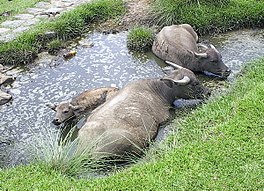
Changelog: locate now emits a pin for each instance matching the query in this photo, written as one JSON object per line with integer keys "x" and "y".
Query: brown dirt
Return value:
{"x": 138, "y": 13}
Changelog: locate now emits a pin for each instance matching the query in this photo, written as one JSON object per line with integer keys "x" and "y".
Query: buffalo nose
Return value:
{"x": 227, "y": 72}
{"x": 56, "y": 121}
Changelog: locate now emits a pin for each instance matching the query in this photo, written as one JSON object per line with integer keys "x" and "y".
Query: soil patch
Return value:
{"x": 138, "y": 13}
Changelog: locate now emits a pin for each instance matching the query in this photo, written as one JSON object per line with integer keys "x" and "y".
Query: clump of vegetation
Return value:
{"x": 208, "y": 18}
{"x": 68, "y": 26}
{"x": 60, "y": 153}
{"x": 54, "y": 46}
{"x": 140, "y": 39}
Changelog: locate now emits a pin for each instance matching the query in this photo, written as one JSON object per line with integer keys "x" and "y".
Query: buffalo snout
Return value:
{"x": 226, "y": 73}
{"x": 56, "y": 121}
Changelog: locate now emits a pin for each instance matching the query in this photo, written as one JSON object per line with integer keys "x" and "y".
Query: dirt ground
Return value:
{"x": 138, "y": 13}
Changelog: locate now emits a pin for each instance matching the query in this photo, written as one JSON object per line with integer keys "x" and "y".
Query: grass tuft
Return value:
{"x": 60, "y": 153}
{"x": 140, "y": 39}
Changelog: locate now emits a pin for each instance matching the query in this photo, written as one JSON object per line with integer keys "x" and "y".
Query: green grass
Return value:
{"x": 207, "y": 17}
{"x": 218, "y": 147}
{"x": 69, "y": 25}
{"x": 15, "y": 6}
{"x": 140, "y": 38}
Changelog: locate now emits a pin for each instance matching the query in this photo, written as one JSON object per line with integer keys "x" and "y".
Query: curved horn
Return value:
{"x": 174, "y": 65}
{"x": 201, "y": 55}
{"x": 213, "y": 47}
{"x": 202, "y": 45}
{"x": 185, "y": 80}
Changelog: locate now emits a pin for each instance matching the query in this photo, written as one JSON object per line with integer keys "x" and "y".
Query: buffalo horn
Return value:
{"x": 202, "y": 45}
{"x": 202, "y": 55}
{"x": 213, "y": 47}
{"x": 173, "y": 64}
{"x": 185, "y": 80}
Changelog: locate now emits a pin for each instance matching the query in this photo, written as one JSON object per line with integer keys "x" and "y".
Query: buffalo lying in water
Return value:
{"x": 178, "y": 44}
{"x": 129, "y": 120}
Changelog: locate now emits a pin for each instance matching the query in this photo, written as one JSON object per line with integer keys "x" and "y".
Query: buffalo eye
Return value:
{"x": 66, "y": 111}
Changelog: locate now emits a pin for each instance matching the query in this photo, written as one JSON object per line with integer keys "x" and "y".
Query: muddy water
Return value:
{"x": 107, "y": 63}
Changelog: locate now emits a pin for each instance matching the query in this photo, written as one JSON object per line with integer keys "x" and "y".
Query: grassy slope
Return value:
{"x": 15, "y": 7}
{"x": 210, "y": 18}
{"x": 219, "y": 147}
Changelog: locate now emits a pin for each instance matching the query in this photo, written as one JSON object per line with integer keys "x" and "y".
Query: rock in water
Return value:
{"x": 6, "y": 79}
{"x": 4, "y": 97}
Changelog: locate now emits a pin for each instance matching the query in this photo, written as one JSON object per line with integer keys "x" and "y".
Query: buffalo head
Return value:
{"x": 64, "y": 111}
{"x": 188, "y": 86}
{"x": 211, "y": 61}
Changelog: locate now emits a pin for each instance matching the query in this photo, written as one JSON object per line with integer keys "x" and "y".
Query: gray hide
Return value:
{"x": 86, "y": 102}
{"x": 178, "y": 44}
{"x": 127, "y": 122}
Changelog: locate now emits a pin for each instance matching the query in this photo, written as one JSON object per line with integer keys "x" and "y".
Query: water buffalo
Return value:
{"x": 127, "y": 122}
{"x": 178, "y": 44}
{"x": 83, "y": 103}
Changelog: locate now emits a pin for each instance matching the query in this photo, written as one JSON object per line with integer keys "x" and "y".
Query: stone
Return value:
{"x": 24, "y": 16}
{"x": 12, "y": 24}
{"x": 42, "y": 16}
{"x": 4, "y": 30}
{"x": 8, "y": 37}
{"x": 4, "y": 97}
{"x": 20, "y": 29}
{"x": 43, "y": 5}
{"x": 4, "y": 79}
{"x": 50, "y": 35}
{"x": 68, "y": 4}
{"x": 35, "y": 11}
{"x": 85, "y": 43}
{"x": 31, "y": 22}
{"x": 1, "y": 68}
{"x": 53, "y": 11}
{"x": 14, "y": 71}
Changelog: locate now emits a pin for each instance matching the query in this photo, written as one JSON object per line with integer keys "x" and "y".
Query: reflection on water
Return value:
{"x": 107, "y": 62}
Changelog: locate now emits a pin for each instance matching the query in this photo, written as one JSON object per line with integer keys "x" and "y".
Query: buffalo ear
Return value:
{"x": 52, "y": 106}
